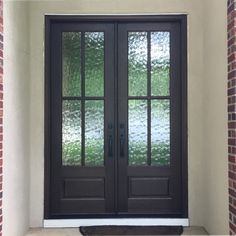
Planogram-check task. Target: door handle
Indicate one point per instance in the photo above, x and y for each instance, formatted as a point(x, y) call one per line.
point(122, 140)
point(110, 140)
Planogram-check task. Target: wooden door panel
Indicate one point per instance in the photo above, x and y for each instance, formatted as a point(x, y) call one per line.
point(148, 186)
point(82, 175)
point(82, 206)
point(84, 188)
point(150, 168)
point(151, 206)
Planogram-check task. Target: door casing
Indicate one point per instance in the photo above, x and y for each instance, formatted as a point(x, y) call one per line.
point(182, 20)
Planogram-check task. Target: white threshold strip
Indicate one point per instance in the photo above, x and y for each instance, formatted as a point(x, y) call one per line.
point(70, 223)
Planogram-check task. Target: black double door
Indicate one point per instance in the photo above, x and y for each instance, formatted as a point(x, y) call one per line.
point(114, 144)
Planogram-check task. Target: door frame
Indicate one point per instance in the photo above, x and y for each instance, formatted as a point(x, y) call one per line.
point(49, 21)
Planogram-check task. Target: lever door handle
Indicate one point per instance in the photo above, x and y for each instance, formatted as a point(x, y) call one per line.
point(110, 141)
point(122, 140)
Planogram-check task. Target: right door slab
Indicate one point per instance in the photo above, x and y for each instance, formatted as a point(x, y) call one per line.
point(150, 119)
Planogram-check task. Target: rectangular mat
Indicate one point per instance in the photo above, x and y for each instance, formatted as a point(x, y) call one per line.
point(131, 230)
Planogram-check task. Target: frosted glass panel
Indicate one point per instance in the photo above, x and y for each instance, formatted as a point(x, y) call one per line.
point(71, 62)
point(137, 63)
point(71, 133)
point(160, 132)
point(160, 63)
point(94, 63)
point(94, 133)
point(137, 132)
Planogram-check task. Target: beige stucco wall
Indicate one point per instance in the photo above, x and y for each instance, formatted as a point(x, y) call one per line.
point(16, 119)
point(24, 105)
point(215, 118)
point(194, 9)
point(207, 129)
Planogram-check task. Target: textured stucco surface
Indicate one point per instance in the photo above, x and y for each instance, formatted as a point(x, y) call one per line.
point(16, 119)
point(215, 163)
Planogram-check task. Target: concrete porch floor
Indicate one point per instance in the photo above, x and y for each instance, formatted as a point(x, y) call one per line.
point(75, 231)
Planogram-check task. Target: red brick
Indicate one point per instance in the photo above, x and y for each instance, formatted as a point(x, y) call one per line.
point(232, 227)
point(232, 193)
point(232, 74)
point(233, 150)
point(230, 200)
point(231, 141)
point(231, 100)
point(231, 41)
point(231, 108)
point(233, 117)
point(230, 8)
point(231, 158)
point(231, 58)
point(1, 114)
point(232, 134)
point(232, 15)
point(232, 209)
point(233, 65)
point(231, 91)
point(231, 24)
point(232, 175)
point(231, 125)
point(234, 183)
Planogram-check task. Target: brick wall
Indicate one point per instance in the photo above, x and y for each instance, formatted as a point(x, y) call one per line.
point(232, 113)
point(1, 108)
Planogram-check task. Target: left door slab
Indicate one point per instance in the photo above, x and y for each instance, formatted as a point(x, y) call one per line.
point(81, 118)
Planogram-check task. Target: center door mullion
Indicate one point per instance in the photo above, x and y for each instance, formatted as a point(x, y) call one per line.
point(110, 154)
point(122, 152)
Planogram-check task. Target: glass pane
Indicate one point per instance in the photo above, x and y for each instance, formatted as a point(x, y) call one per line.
point(71, 60)
point(94, 133)
point(160, 132)
point(94, 64)
point(71, 133)
point(137, 132)
point(137, 63)
point(160, 63)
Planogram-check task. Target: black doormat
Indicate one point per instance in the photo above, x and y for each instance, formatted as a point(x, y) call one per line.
point(131, 230)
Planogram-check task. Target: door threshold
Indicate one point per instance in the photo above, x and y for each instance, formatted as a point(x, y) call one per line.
point(70, 223)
